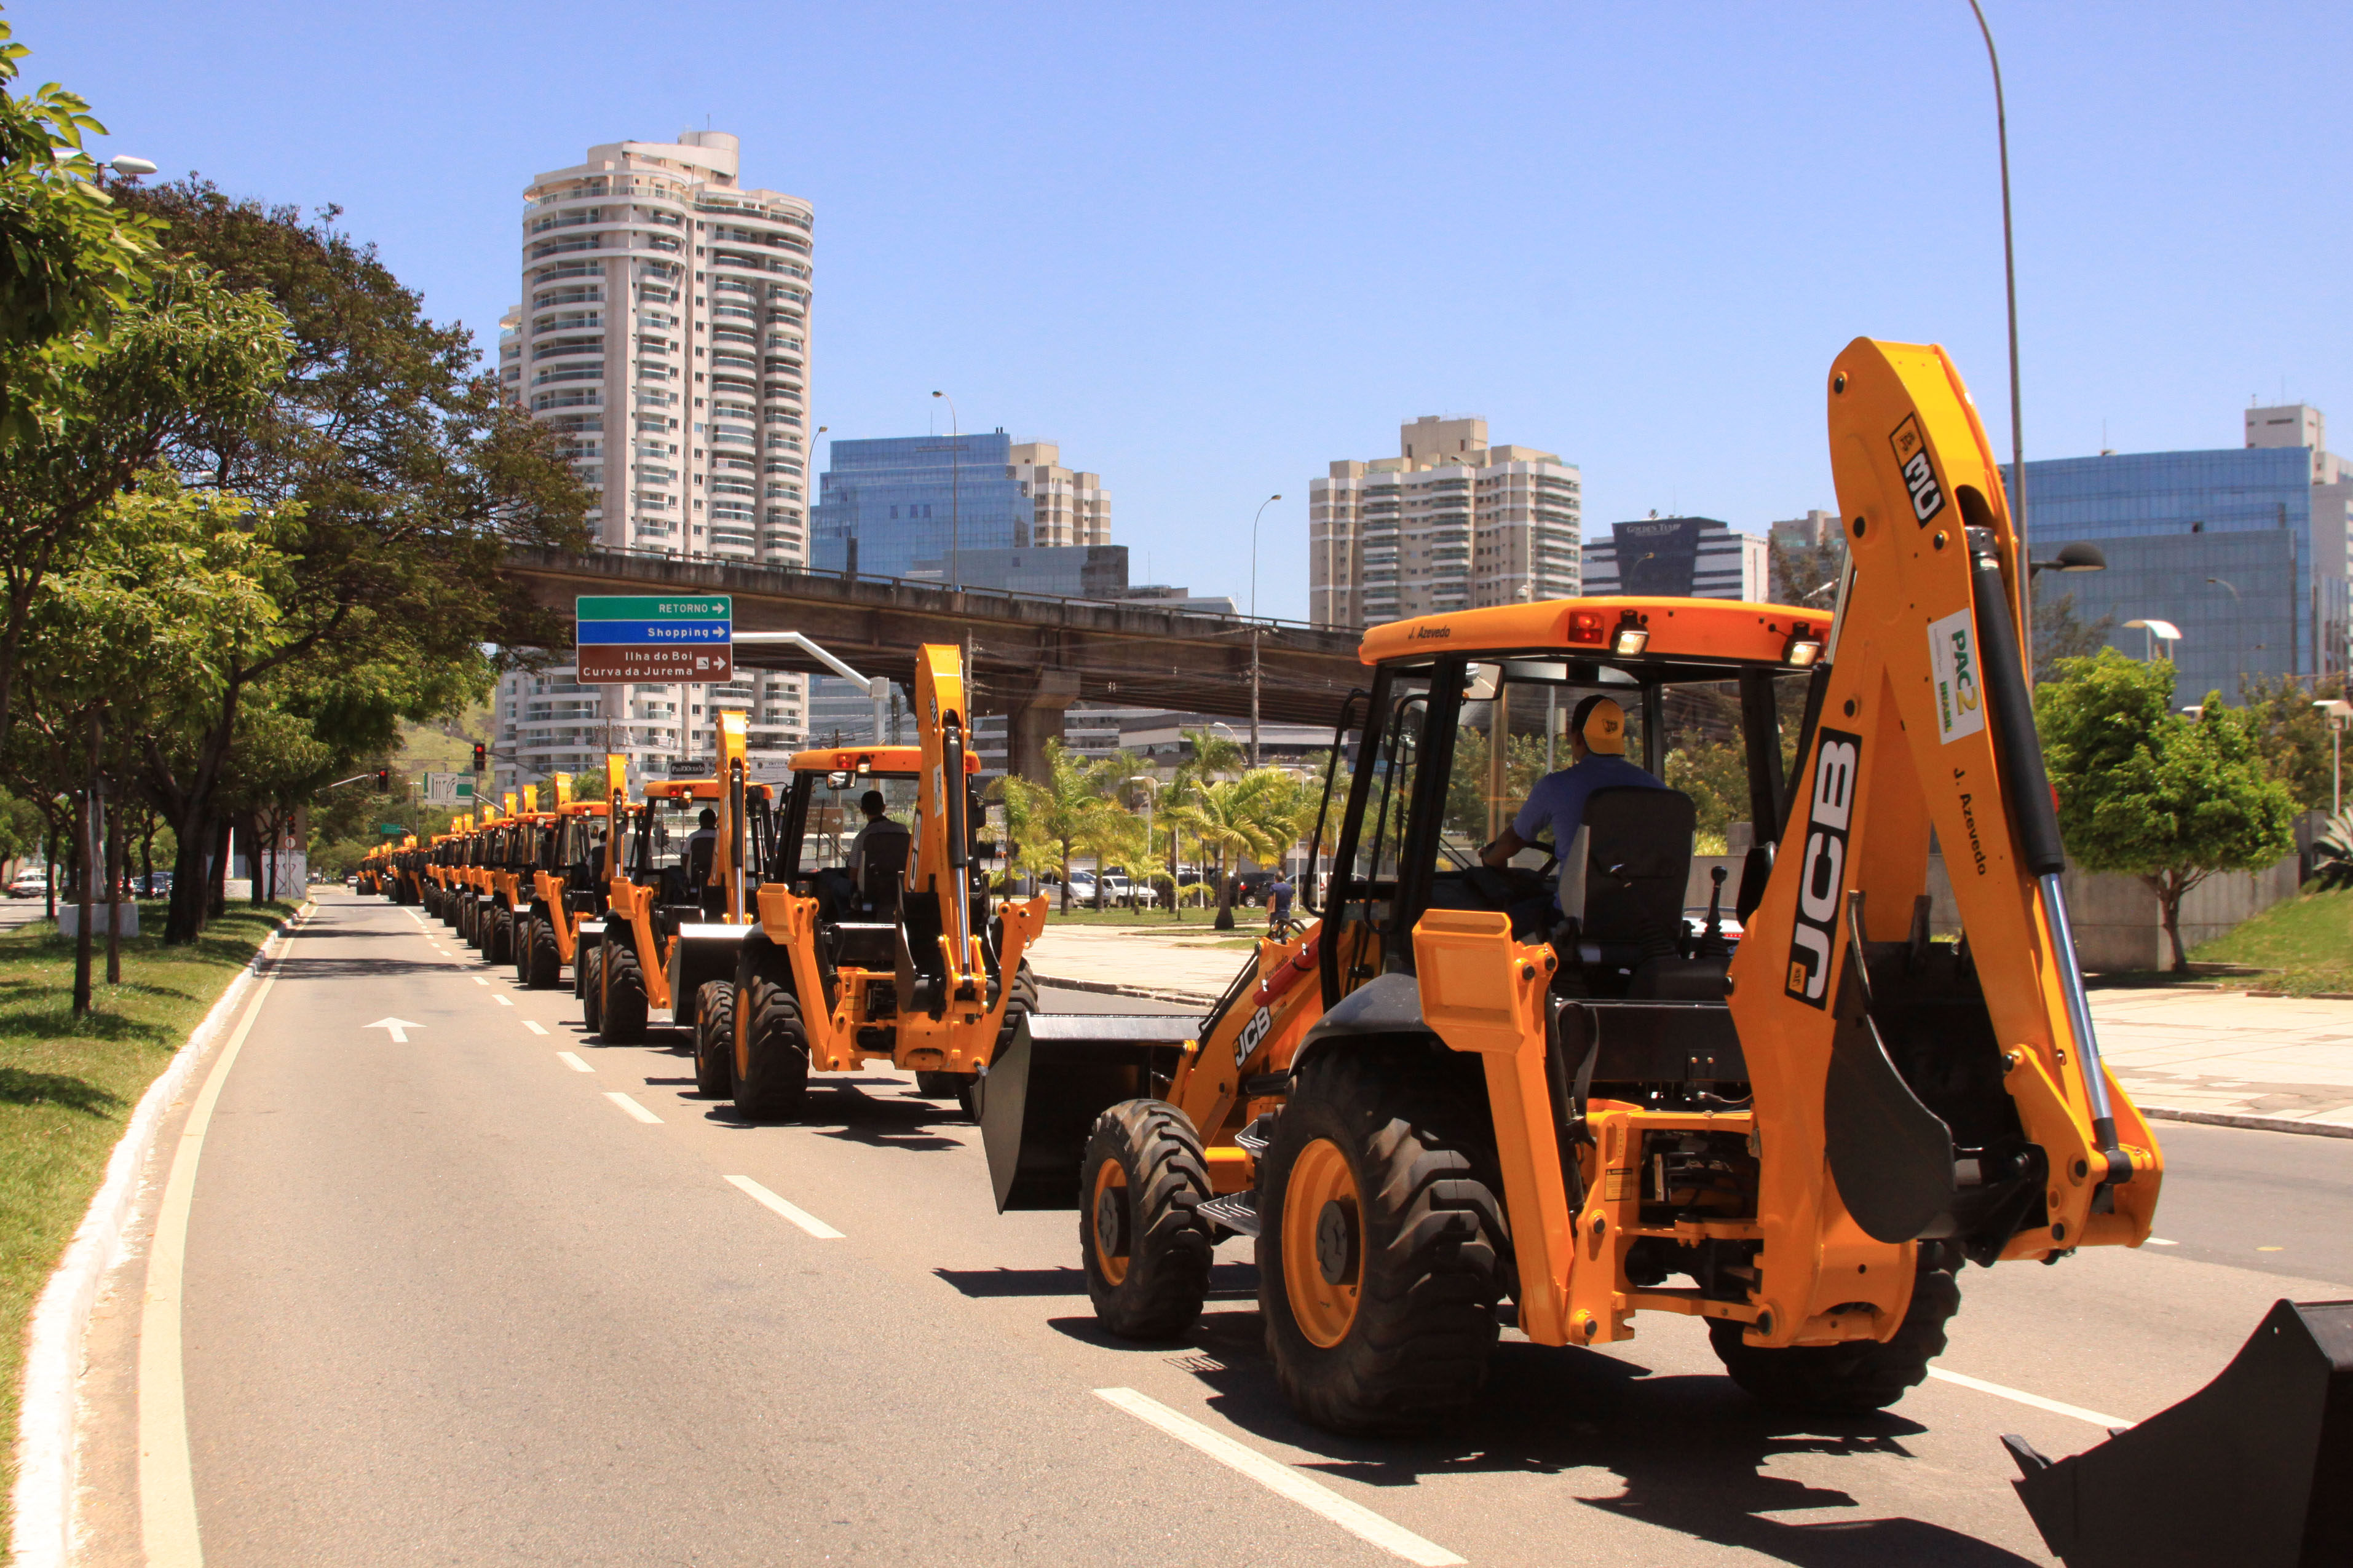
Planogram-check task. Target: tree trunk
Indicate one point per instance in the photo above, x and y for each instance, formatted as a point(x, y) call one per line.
point(113, 897)
point(2169, 907)
point(50, 855)
point(1225, 920)
point(91, 873)
point(217, 895)
point(1065, 888)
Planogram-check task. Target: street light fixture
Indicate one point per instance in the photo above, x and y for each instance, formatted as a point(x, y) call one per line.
point(2336, 712)
point(2158, 632)
point(2072, 558)
point(1253, 602)
point(130, 167)
point(1154, 780)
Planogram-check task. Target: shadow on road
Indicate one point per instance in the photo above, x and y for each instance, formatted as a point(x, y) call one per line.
point(1227, 1282)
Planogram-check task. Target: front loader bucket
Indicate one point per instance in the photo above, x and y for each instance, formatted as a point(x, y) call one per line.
point(2255, 1469)
point(1042, 1095)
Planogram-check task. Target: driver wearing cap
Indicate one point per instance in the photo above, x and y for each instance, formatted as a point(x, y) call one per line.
point(1597, 751)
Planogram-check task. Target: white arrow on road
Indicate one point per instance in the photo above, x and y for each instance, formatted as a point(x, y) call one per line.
point(400, 1028)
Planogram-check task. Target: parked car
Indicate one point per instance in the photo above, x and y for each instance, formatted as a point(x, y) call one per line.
point(1249, 886)
point(29, 884)
point(154, 885)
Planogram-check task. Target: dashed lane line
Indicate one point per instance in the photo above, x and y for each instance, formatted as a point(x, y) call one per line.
point(632, 1106)
point(2022, 1397)
point(575, 1064)
point(799, 1216)
point(534, 1026)
point(479, 981)
point(1282, 1481)
point(503, 1001)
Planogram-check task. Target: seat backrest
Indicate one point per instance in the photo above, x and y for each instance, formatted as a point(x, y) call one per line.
point(882, 866)
point(699, 852)
point(1638, 861)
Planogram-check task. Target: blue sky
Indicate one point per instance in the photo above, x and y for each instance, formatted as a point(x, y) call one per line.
point(1211, 248)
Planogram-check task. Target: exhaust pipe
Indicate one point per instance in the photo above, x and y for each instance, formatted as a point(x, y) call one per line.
point(2255, 1469)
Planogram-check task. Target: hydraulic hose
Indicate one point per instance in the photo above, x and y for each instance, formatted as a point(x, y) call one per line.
point(2035, 818)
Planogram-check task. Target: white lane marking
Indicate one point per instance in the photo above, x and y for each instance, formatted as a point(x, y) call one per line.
point(631, 1106)
point(2036, 1400)
point(1282, 1481)
point(503, 1001)
point(574, 1062)
point(479, 981)
point(534, 1026)
point(799, 1216)
point(397, 1028)
point(167, 1486)
point(2160, 1241)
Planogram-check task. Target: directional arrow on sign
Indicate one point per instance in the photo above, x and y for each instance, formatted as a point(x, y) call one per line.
point(400, 1028)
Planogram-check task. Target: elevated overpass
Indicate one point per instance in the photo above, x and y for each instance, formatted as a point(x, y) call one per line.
point(1031, 655)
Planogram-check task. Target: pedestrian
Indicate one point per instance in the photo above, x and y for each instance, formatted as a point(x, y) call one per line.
point(1278, 901)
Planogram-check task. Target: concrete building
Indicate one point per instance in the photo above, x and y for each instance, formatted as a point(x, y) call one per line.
point(664, 331)
point(1688, 557)
point(1811, 531)
point(1065, 508)
point(1449, 523)
point(2243, 549)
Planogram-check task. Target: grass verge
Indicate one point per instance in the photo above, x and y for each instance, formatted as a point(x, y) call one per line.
point(68, 1086)
point(2309, 940)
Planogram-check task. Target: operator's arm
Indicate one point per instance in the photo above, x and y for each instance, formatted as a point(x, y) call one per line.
point(1507, 843)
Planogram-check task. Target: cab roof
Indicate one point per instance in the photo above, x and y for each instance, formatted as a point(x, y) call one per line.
point(870, 760)
point(1710, 633)
point(703, 789)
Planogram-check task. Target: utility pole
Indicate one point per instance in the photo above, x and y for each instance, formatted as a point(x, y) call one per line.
point(955, 490)
point(1253, 604)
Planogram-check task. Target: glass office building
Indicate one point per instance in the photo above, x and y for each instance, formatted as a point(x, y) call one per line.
point(2221, 544)
point(906, 500)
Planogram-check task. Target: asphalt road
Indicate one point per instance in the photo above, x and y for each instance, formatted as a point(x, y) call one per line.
point(466, 1299)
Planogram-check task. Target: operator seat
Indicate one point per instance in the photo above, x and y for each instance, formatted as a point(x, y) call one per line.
point(1637, 843)
point(881, 870)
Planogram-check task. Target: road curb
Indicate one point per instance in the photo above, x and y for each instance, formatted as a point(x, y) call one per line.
point(41, 1534)
point(2261, 1123)
point(1141, 993)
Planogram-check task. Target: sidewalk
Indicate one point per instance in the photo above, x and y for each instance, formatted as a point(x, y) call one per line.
point(2213, 1054)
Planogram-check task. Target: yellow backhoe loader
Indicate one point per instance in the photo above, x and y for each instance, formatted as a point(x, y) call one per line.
point(566, 889)
point(900, 959)
point(678, 905)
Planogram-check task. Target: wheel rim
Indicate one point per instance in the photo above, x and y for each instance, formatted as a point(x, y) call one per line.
point(1322, 1251)
point(1108, 1206)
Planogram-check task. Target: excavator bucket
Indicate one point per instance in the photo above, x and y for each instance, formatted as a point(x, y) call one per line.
point(1043, 1093)
point(2255, 1469)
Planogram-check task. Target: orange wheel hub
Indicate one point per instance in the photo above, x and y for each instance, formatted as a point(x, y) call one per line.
point(1323, 1243)
point(1107, 1209)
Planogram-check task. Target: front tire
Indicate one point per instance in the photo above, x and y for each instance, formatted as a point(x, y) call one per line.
point(714, 1039)
point(625, 995)
point(592, 988)
point(1148, 1249)
point(972, 1089)
point(1381, 1250)
point(541, 962)
point(772, 1060)
point(500, 946)
point(1858, 1375)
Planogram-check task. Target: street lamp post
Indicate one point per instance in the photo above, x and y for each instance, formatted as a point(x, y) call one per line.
point(2010, 293)
point(2156, 632)
point(1154, 780)
point(2238, 650)
point(2336, 711)
point(1253, 604)
point(955, 490)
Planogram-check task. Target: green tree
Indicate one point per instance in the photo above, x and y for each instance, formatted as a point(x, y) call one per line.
point(2150, 793)
point(2292, 737)
point(1805, 574)
point(2059, 633)
point(1049, 822)
point(1714, 773)
point(1258, 815)
point(405, 477)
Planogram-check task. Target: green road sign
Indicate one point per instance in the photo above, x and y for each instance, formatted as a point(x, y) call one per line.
point(391, 827)
point(654, 607)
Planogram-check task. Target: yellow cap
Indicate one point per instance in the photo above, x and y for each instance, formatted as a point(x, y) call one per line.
point(1601, 724)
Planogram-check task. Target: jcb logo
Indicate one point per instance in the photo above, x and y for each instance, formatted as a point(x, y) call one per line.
point(1823, 870)
point(1252, 1033)
point(1919, 474)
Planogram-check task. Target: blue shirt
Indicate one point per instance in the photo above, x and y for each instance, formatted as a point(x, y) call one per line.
point(1558, 798)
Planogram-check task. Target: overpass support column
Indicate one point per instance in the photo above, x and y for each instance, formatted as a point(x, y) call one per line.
point(1038, 720)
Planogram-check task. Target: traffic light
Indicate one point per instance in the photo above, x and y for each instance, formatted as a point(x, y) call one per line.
point(382, 780)
point(482, 756)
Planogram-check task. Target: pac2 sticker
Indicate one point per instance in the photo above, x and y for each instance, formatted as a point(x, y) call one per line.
point(1953, 659)
point(1821, 878)
point(1919, 473)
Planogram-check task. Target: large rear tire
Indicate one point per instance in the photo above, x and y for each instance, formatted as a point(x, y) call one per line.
point(1381, 1250)
point(625, 995)
point(1148, 1249)
point(771, 1064)
point(714, 1039)
point(1859, 1375)
point(541, 962)
point(501, 947)
point(592, 987)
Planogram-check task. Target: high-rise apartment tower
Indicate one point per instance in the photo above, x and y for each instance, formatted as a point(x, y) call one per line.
point(1449, 523)
point(664, 332)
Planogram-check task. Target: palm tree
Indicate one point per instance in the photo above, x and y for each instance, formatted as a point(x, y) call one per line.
point(1256, 814)
point(1049, 821)
point(1213, 756)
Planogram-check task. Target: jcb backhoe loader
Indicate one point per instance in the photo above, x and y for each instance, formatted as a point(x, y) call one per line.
point(908, 967)
point(1553, 1090)
point(677, 910)
point(565, 888)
